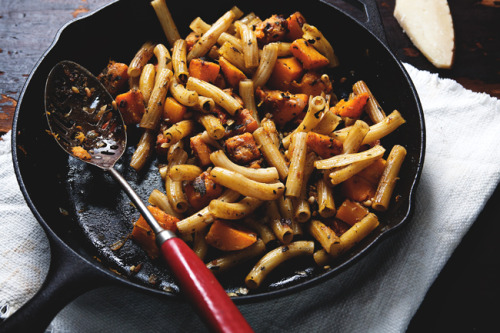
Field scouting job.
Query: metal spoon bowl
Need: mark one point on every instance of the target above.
(80, 113)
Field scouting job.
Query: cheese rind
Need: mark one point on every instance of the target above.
(429, 26)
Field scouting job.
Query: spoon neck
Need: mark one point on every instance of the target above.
(155, 226)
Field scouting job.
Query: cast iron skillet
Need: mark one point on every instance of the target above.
(85, 214)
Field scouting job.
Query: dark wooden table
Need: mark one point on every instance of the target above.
(463, 296)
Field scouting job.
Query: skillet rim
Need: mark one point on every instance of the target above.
(243, 298)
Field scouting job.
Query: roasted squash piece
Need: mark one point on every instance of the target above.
(286, 70)
(284, 106)
(145, 237)
(294, 25)
(201, 190)
(351, 108)
(114, 77)
(201, 150)
(173, 111)
(358, 189)
(308, 55)
(351, 212)
(323, 145)
(231, 73)
(272, 29)
(244, 122)
(229, 236)
(311, 84)
(204, 70)
(131, 105)
(242, 149)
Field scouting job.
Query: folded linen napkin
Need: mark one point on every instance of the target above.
(381, 293)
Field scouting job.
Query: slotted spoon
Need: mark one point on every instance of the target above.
(83, 121)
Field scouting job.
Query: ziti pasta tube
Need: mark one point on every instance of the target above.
(295, 177)
(377, 131)
(264, 175)
(274, 258)
(179, 63)
(389, 177)
(234, 210)
(203, 217)
(315, 111)
(151, 118)
(166, 20)
(271, 152)
(232, 259)
(281, 226)
(209, 38)
(140, 59)
(373, 108)
(221, 98)
(237, 182)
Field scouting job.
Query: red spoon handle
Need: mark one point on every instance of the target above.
(202, 288)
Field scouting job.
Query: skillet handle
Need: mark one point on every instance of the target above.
(202, 288)
(373, 20)
(68, 277)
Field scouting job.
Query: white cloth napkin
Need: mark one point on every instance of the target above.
(381, 293)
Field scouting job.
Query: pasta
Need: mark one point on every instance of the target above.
(275, 257)
(142, 151)
(231, 260)
(326, 204)
(301, 204)
(346, 159)
(210, 37)
(266, 64)
(281, 226)
(212, 125)
(246, 186)
(286, 209)
(179, 62)
(312, 118)
(203, 217)
(150, 119)
(200, 246)
(183, 95)
(297, 164)
(166, 20)
(355, 137)
(159, 199)
(234, 54)
(140, 59)
(175, 194)
(348, 240)
(271, 152)
(373, 108)
(147, 81)
(183, 172)
(163, 58)
(264, 175)
(389, 177)
(226, 101)
(377, 131)
(177, 132)
(246, 90)
(256, 144)
(234, 211)
(249, 45)
(320, 43)
(261, 227)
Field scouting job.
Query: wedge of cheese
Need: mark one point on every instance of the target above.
(429, 25)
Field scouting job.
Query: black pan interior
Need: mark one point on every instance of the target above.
(89, 212)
